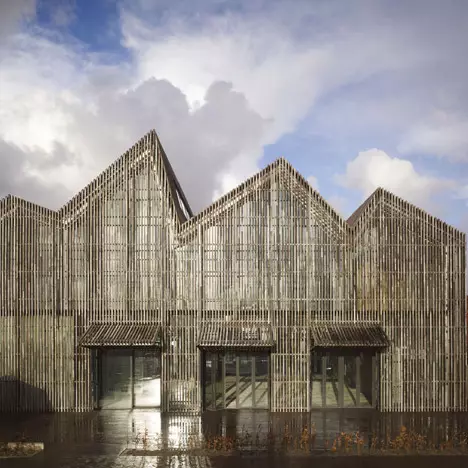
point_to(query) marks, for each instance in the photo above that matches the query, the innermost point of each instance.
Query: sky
(356, 95)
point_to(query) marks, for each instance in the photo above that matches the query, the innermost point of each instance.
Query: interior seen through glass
(344, 379)
(130, 378)
(236, 380)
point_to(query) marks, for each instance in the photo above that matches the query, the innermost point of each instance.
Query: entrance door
(116, 379)
(344, 378)
(236, 380)
(130, 378)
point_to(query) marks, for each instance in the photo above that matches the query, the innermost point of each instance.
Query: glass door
(129, 378)
(116, 379)
(236, 380)
(344, 378)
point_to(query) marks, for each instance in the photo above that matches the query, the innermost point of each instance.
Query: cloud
(212, 148)
(258, 50)
(13, 12)
(65, 115)
(463, 193)
(17, 175)
(374, 168)
(220, 80)
(443, 135)
(301, 63)
(62, 13)
(339, 204)
(253, 55)
(313, 182)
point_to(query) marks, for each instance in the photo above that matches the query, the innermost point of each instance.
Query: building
(266, 299)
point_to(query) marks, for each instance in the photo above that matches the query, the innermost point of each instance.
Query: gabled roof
(148, 149)
(390, 199)
(11, 203)
(299, 188)
(353, 219)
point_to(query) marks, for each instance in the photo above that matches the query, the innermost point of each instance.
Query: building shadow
(19, 402)
(16, 396)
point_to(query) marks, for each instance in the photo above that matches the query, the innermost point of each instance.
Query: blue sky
(355, 95)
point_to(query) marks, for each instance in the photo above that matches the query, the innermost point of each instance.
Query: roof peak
(381, 191)
(12, 198)
(278, 162)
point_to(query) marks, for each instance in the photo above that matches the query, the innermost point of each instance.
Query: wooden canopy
(121, 335)
(223, 334)
(329, 335)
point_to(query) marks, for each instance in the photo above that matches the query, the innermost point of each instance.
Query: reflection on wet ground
(100, 436)
(122, 427)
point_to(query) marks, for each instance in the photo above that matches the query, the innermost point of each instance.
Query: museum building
(267, 299)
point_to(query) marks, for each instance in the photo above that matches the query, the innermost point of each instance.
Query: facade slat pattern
(127, 250)
(409, 271)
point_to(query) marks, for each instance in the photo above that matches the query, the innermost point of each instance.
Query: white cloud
(280, 75)
(313, 182)
(442, 134)
(260, 60)
(68, 116)
(339, 204)
(12, 12)
(462, 193)
(374, 168)
(56, 98)
(53, 93)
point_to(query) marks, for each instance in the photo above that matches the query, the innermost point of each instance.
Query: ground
(98, 438)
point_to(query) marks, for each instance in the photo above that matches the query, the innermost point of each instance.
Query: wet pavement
(98, 438)
(184, 461)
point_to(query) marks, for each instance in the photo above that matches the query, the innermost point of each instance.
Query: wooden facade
(127, 249)
(410, 274)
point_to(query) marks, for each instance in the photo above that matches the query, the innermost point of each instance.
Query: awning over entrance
(329, 335)
(121, 335)
(217, 335)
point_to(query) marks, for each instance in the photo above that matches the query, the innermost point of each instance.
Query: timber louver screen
(122, 335)
(238, 335)
(329, 335)
(272, 249)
